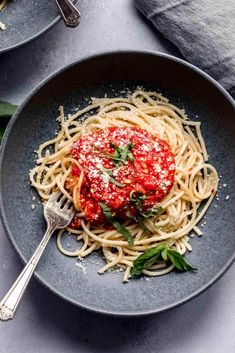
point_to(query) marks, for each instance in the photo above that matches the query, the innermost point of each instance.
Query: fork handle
(10, 302)
(70, 13)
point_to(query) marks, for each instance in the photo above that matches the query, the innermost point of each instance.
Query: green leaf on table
(1, 132)
(7, 109)
(6, 112)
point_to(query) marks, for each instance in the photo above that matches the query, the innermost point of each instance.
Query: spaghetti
(143, 122)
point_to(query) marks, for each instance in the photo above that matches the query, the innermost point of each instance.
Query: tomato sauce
(146, 168)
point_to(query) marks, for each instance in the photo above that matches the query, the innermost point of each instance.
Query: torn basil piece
(108, 214)
(161, 252)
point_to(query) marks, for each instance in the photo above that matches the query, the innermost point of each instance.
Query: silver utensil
(70, 14)
(58, 212)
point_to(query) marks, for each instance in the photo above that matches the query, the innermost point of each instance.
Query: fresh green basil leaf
(7, 109)
(106, 210)
(115, 182)
(107, 171)
(122, 153)
(125, 151)
(130, 156)
(175, 262)
(110, 156)
(153, 212)
(178, 260)
(6, 112)
(164, 254)
(108, 214)
(1, 133)
(144, 259)
(160, 252)
(124, 232)
(116, 160)
(114, 157)
(138, 200)
(111, 179)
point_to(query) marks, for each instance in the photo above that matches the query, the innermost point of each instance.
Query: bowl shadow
(99, 332)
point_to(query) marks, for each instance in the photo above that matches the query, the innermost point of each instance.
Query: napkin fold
(203, 31)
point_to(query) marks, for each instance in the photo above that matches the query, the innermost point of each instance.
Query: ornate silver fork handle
(11, 300)
(58, 212)
(70, 13)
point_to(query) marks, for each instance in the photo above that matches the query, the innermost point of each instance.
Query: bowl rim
(31, 38)
(35, 36)
(3, 147)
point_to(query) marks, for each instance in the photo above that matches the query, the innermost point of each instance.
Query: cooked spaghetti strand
(195, 180)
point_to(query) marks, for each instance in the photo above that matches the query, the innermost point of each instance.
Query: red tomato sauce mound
(148, 171)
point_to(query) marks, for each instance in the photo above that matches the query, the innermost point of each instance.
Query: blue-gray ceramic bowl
(35, 122)
(26, 20)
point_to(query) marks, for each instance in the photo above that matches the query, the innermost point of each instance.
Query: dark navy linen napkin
(203, 31)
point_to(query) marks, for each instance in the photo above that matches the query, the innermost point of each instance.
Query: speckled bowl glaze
(35, 121)
(25, 20)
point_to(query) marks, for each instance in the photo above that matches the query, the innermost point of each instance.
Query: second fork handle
(69, 12)
(10, 302)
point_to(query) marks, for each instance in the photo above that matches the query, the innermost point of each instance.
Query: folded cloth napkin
(203, 31)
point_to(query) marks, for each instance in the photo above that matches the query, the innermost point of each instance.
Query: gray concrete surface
(44, 323)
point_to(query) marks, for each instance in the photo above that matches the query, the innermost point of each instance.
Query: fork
(70, 13)
(58, 212)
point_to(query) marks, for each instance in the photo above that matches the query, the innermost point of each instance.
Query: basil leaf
(144, 259)
(122, 153)
(108, 214)
(106, 210)
(116, 155)
(111, 179)
(175, 262)
(157, 211)
(111, 144)
(130, 156)
(178, 260)
(110, 156)
(114, 181)
(161, 252)
(154, 211)
(6, 112)
(7, 109)
(107, 154)
(164, 254)
(125, 151)
(1, 133)
(124, 232)
(138, 200)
